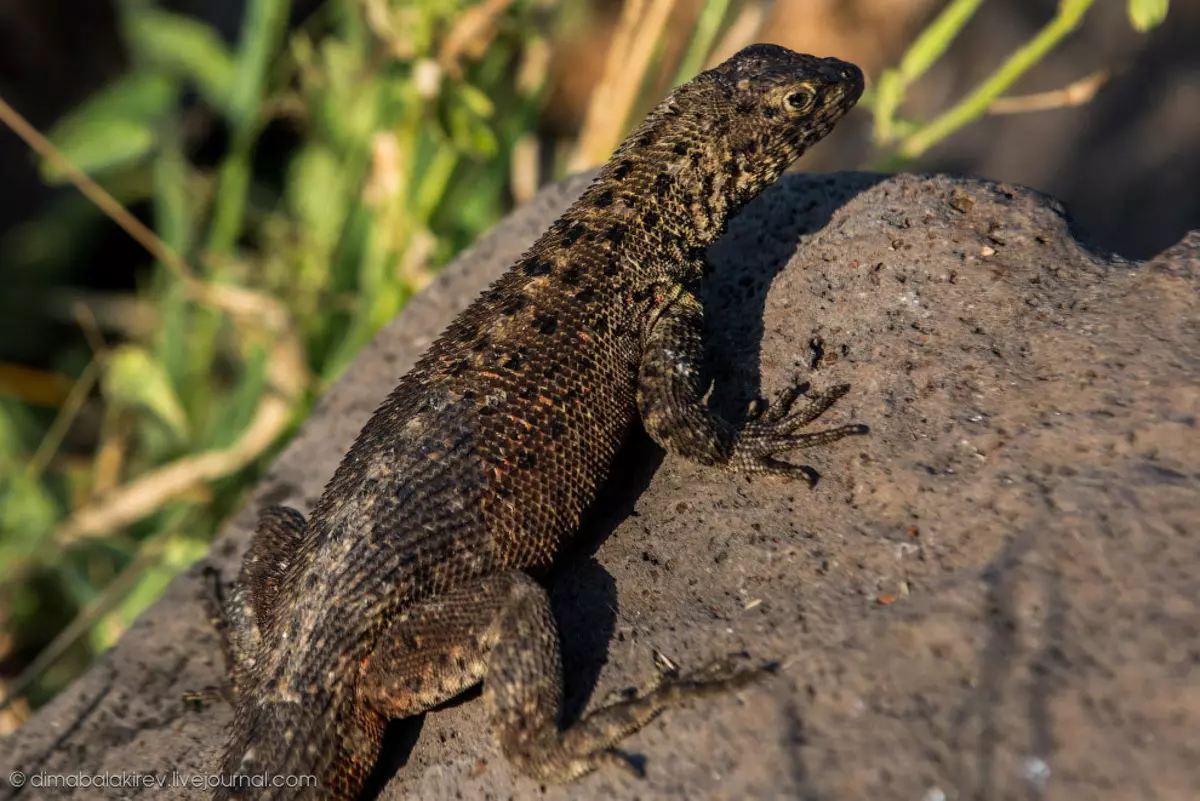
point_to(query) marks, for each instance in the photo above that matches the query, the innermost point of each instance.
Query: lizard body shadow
(758, 246)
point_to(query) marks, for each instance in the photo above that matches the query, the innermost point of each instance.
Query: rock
(993, 595)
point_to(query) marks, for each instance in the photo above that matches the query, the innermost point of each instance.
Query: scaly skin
(414, 577)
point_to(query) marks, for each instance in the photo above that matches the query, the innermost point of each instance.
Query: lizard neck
(653, 216)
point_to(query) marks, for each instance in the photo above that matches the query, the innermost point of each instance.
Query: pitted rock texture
(992, 596)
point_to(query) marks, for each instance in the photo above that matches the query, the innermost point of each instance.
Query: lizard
(420, 572)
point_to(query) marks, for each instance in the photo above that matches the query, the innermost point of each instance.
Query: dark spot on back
(623, 169)
(458, 368)
(481, 344)
(765, 139)
(512, 305)
(485, 410)
(570, 276)
(587, 294)
(572, 234)
(535, 267)
(650, 219)
(527, 461)
(680, 149)
(512, 362)
(545, 323)
(615, 234)
(603, 200)
(662, 184)
(600, 326)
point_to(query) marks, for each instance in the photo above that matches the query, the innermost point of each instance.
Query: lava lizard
(418, 573)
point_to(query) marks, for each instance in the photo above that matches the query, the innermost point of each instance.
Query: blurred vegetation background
(231, 198)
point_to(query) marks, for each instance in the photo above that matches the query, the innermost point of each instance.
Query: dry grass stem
(1078, 93)
(639, 30)
(744, 30)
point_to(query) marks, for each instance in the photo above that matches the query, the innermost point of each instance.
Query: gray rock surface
(992, 596)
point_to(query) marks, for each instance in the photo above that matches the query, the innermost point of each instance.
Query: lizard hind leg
(524, 692)
(500, 630)
(433, 651)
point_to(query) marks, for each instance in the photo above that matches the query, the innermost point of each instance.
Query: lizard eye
(801, 99)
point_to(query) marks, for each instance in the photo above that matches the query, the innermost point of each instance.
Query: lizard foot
(774, 428)
(591, 742)
(213, 600)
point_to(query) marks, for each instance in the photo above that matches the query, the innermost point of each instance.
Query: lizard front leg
(501, 630)
(670, 400)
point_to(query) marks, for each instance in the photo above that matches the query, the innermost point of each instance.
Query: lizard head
(778, 103)
(723, 137)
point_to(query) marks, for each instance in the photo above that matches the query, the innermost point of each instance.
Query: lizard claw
(775, 429)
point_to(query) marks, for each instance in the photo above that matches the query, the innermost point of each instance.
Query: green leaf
(238, 408)
(102, 145)
(135, 378)
(466, 123)
(264, 23)
(144, 95)
(316, 193)
(27, 514)
(1147, 14)
(114, 127)
(479, 103)
(188, 48)
(12, 446)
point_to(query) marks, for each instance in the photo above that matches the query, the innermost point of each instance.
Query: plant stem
(707, 27)
(1066, 20)
(262, 30)
(919, 57)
